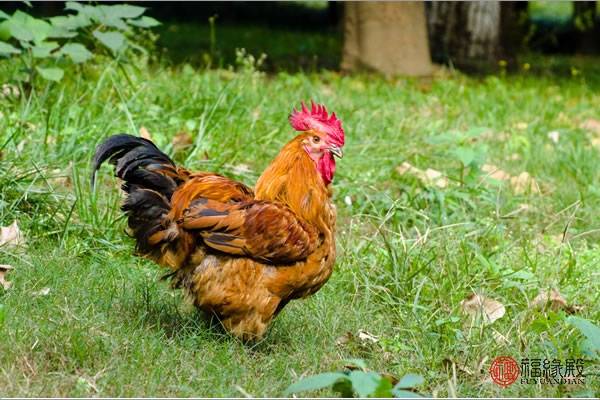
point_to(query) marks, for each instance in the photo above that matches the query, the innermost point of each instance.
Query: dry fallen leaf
(524, 183)
(554, 300)
(596, 142)
(495, 173)
(181, 141)
(427, 177)
(521, 126)
(363, 337)
(3, 271)
(449, 364)
(11, 235)
(344, 339)
(144, 133)
(514, 157)
(500, 338)
(367, 337)
(521, 183)
(592, 125)
(554, 136)
(478, 306)
(9, 90)
(241, 169)
(61, 178)
(43, 292)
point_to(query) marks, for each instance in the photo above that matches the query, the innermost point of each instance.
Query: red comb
(319, 120)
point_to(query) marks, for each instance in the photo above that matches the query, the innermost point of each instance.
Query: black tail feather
(148, 176)
(119, 146)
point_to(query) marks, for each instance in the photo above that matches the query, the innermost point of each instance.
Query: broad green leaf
(61, 32)
(465, 155)
(43, 49)
(384, 389)
(51, 74)
(40, 28)
(357, 362)
(73, 5)
(588, 329)
(2, 315)
(19, 30)
(4, 15)
(315, 382)
(4, 30)
(344, 388)
(409, 381)
(77, 52)
(70, 22)
(83, 10)
(26, 28)
(144, 22)
(400, 393)
(105, 17)
(113, 40)
(123, 11)
(20, 16)
(364, 383)
(6, 48)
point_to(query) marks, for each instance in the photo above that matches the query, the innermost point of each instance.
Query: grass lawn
(84, 317)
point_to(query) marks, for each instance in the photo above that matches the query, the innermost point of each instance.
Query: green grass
(408, 253)
(291, 51)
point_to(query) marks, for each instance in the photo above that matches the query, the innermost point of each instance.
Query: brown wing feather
(265, 231)
(209, 186)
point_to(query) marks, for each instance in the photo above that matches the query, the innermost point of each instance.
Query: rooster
(239, 254)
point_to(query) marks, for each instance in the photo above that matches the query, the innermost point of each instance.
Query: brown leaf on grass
(521, 126)
(241, 169)
(592, 125)
(524, 183)
(554, 136)
(449, 364)
(520, 184)
(554, 300)
(61, 178)
(478, 306)
(500, 338)
(144, 133)
(344, 339)
(428, 177)
(595, 142)
(8, 90)
(3, 271)
(181, 141)
(11, 236)
(362, 337)
(43, 292)
(495, 173)
(367, 337)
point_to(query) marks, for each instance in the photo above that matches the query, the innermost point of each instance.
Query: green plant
(590, 346)
(359, 382)
(45, 46)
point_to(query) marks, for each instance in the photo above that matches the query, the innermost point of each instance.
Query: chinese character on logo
(504, 371)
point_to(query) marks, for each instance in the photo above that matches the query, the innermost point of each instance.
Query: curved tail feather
(150, 178)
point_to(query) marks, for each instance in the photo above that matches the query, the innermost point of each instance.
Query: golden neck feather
(292, 179)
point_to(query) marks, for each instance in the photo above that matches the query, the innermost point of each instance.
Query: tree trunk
(466, 34)
(514, 27)
(390, 38)
(584, 19)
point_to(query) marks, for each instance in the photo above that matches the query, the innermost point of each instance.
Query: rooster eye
(316, 139)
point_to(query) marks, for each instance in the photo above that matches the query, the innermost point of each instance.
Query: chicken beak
(336, 151)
